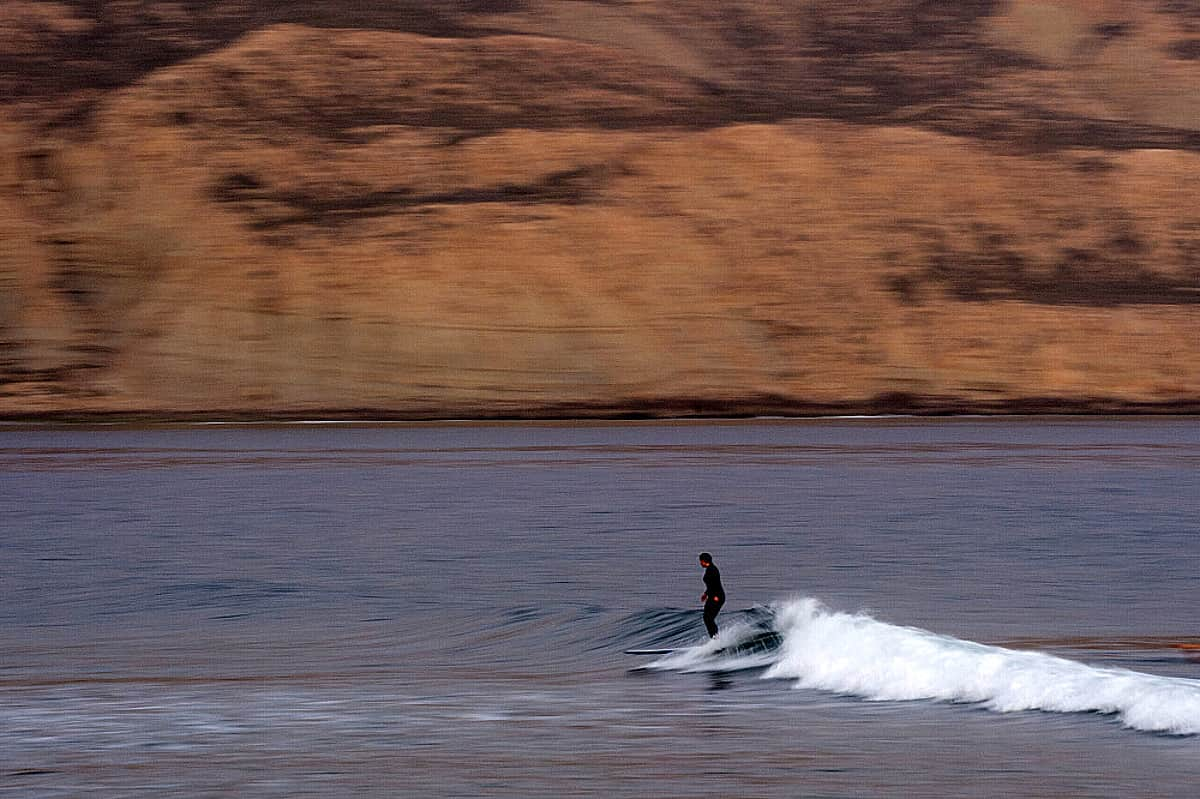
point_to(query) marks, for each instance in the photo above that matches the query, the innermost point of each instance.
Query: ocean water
(934, 608)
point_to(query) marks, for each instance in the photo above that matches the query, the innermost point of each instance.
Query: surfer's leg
(711, 609)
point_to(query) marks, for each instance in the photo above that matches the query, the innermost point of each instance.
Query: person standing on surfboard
(714, 593)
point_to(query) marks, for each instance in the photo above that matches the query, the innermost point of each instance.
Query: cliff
(418, 209)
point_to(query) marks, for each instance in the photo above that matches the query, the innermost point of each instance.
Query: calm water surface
(953, 608)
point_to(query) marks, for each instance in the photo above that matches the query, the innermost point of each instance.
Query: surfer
(714, 593)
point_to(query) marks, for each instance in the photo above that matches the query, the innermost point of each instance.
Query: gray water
(443, 610)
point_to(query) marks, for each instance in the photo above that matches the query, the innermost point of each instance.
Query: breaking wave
(857, 655)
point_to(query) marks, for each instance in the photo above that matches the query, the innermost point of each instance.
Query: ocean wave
(858, 655)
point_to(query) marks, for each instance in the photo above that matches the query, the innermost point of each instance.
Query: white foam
(858, 655)
(715, 654)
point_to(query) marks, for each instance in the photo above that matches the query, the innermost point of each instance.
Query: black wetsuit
(716, 598)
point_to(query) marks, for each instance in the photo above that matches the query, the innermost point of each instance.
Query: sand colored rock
(594, 208)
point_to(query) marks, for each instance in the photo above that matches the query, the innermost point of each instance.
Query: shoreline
(663, 411)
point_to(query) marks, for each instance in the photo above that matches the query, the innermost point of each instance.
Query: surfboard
(649, 651)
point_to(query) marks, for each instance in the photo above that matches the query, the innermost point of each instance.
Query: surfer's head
(705, 559)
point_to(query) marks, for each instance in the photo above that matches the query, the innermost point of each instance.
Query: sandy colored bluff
(661, 207)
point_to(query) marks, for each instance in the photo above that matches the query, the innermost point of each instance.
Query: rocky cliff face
(653, 206)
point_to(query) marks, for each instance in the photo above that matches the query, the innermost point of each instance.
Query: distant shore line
(886, 406)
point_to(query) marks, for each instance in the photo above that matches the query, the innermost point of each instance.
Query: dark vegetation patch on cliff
(1185, 49)
(1113, 273)
(270, 209)
(1185, 8)
(1038, 129)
